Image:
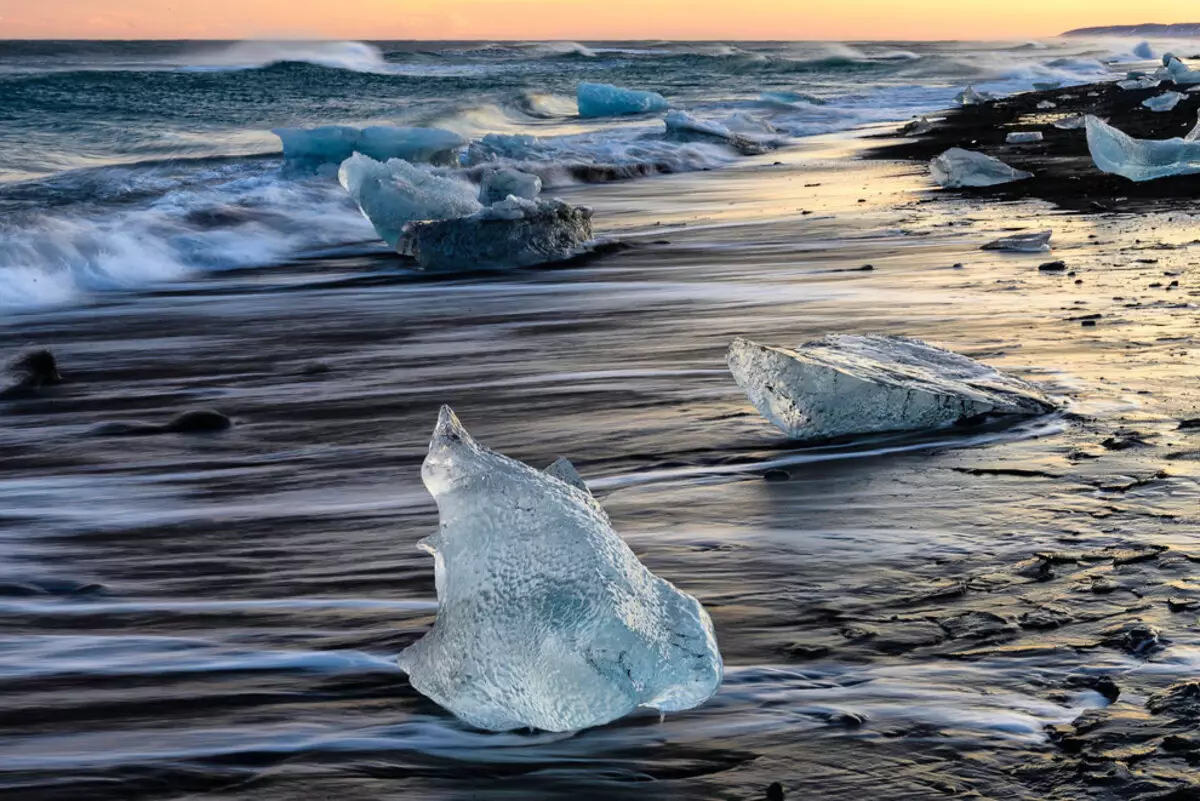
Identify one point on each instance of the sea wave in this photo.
(354, 56)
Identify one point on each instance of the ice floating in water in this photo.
(1116, 152)
(393, 194)
(1023, 137)
(844, 385)
(682, 126)
(958, 168)
(1164, 102)
(512, 233)
(546, 618)
(970, 97)
(499, 184)
(313, 148)
(1022, 243)
(606, 100)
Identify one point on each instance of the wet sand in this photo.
(907, 616)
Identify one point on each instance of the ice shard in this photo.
(1167, 101)
(393, 194)
(499, 184)
(314, 148)
(1038, 242)
(971, 97)
(843, 385)
(1023, 137)
(957, 168)
(606, 100)
(546, 619)
(1116, 152)
(512, 233)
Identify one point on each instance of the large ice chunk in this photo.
(512, 233)
(393, 194)
(683, 127)
(546, 619)
(314, 148)
(1177, 72)
(957, 168)
(606, 100)
(500, 183)
(1167, 101)
(843, 385)
(1116, 152)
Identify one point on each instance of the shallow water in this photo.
(219, 616)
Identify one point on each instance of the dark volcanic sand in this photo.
(1062, 168)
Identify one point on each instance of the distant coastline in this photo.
(1181, 29)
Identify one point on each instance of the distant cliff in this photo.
(1176, 30)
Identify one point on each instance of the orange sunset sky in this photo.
(573, 19)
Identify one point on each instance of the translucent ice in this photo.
(313, 148)
(1022, 243)
(971, 97)
(1144, 50)
(1177, 72)
(741, 122)
(393, 194)
(1116, 152)
(1074, 123)
(512, 233)
(1023, 137)
(606, 100)
(1164, 102)
(844, 385)
(917, 127)
(546, 618)
(682, 126)
(958, 168)
(1140, 82)
(499, 184)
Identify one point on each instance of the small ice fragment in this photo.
(917, 127)
(499, 184)
(1023, 137)
(1069, 123)
(970, 97)
(682, 126)
(1022, 243)
(512, 233)
(393, 194)
(546, 619)
(1139, 82)
(606, 100)
(1046, 105)
(314, 148)
(959, 168)
(1144, 50)
(1164, 102)
(1116, 152)
(843, 385)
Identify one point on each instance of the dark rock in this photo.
(1053, 267)
(32, 370)
(199, 421)
(775, 792)
(976, 625)
(1101, 684)
(776, 474)
(1181, 701)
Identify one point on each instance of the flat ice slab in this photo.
(1164, 102)
(546, 619)
(1038, 242)
(958, 168)
(606, 100)
(1116, 152)
(843, 385)
(1023, 137)
(512, 233)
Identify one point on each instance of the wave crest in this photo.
(354, 56)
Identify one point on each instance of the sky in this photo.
(572, 19)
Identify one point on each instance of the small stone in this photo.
(1053, 267)
(775, 792)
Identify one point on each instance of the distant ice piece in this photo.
(499, 184)
(682, 126)
(394, 194)
(546, 619)
(1022, 243)
(1074, 123)
(1139, 82)
(1144, 50)
(1116, 152)
(606, 100)
(1164, 102)
(313, 148)
(917, 127)
(957, 168)
(512, 233)
(971, 97)
(1023, 137)
(843, 385)
(1046, 105)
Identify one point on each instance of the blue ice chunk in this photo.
(606, 100)
(311, 149)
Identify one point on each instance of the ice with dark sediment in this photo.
(546, 619)
(1037, 242)
(498, 184)
(1167, 101)
(314, 148)
(957, 168)
(684, 127)
(1114, 151)
(395, 193)
(512, 233)
(606, 100)
(843, 385)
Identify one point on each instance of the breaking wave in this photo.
(354, 56)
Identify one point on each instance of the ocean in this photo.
(912, 616)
